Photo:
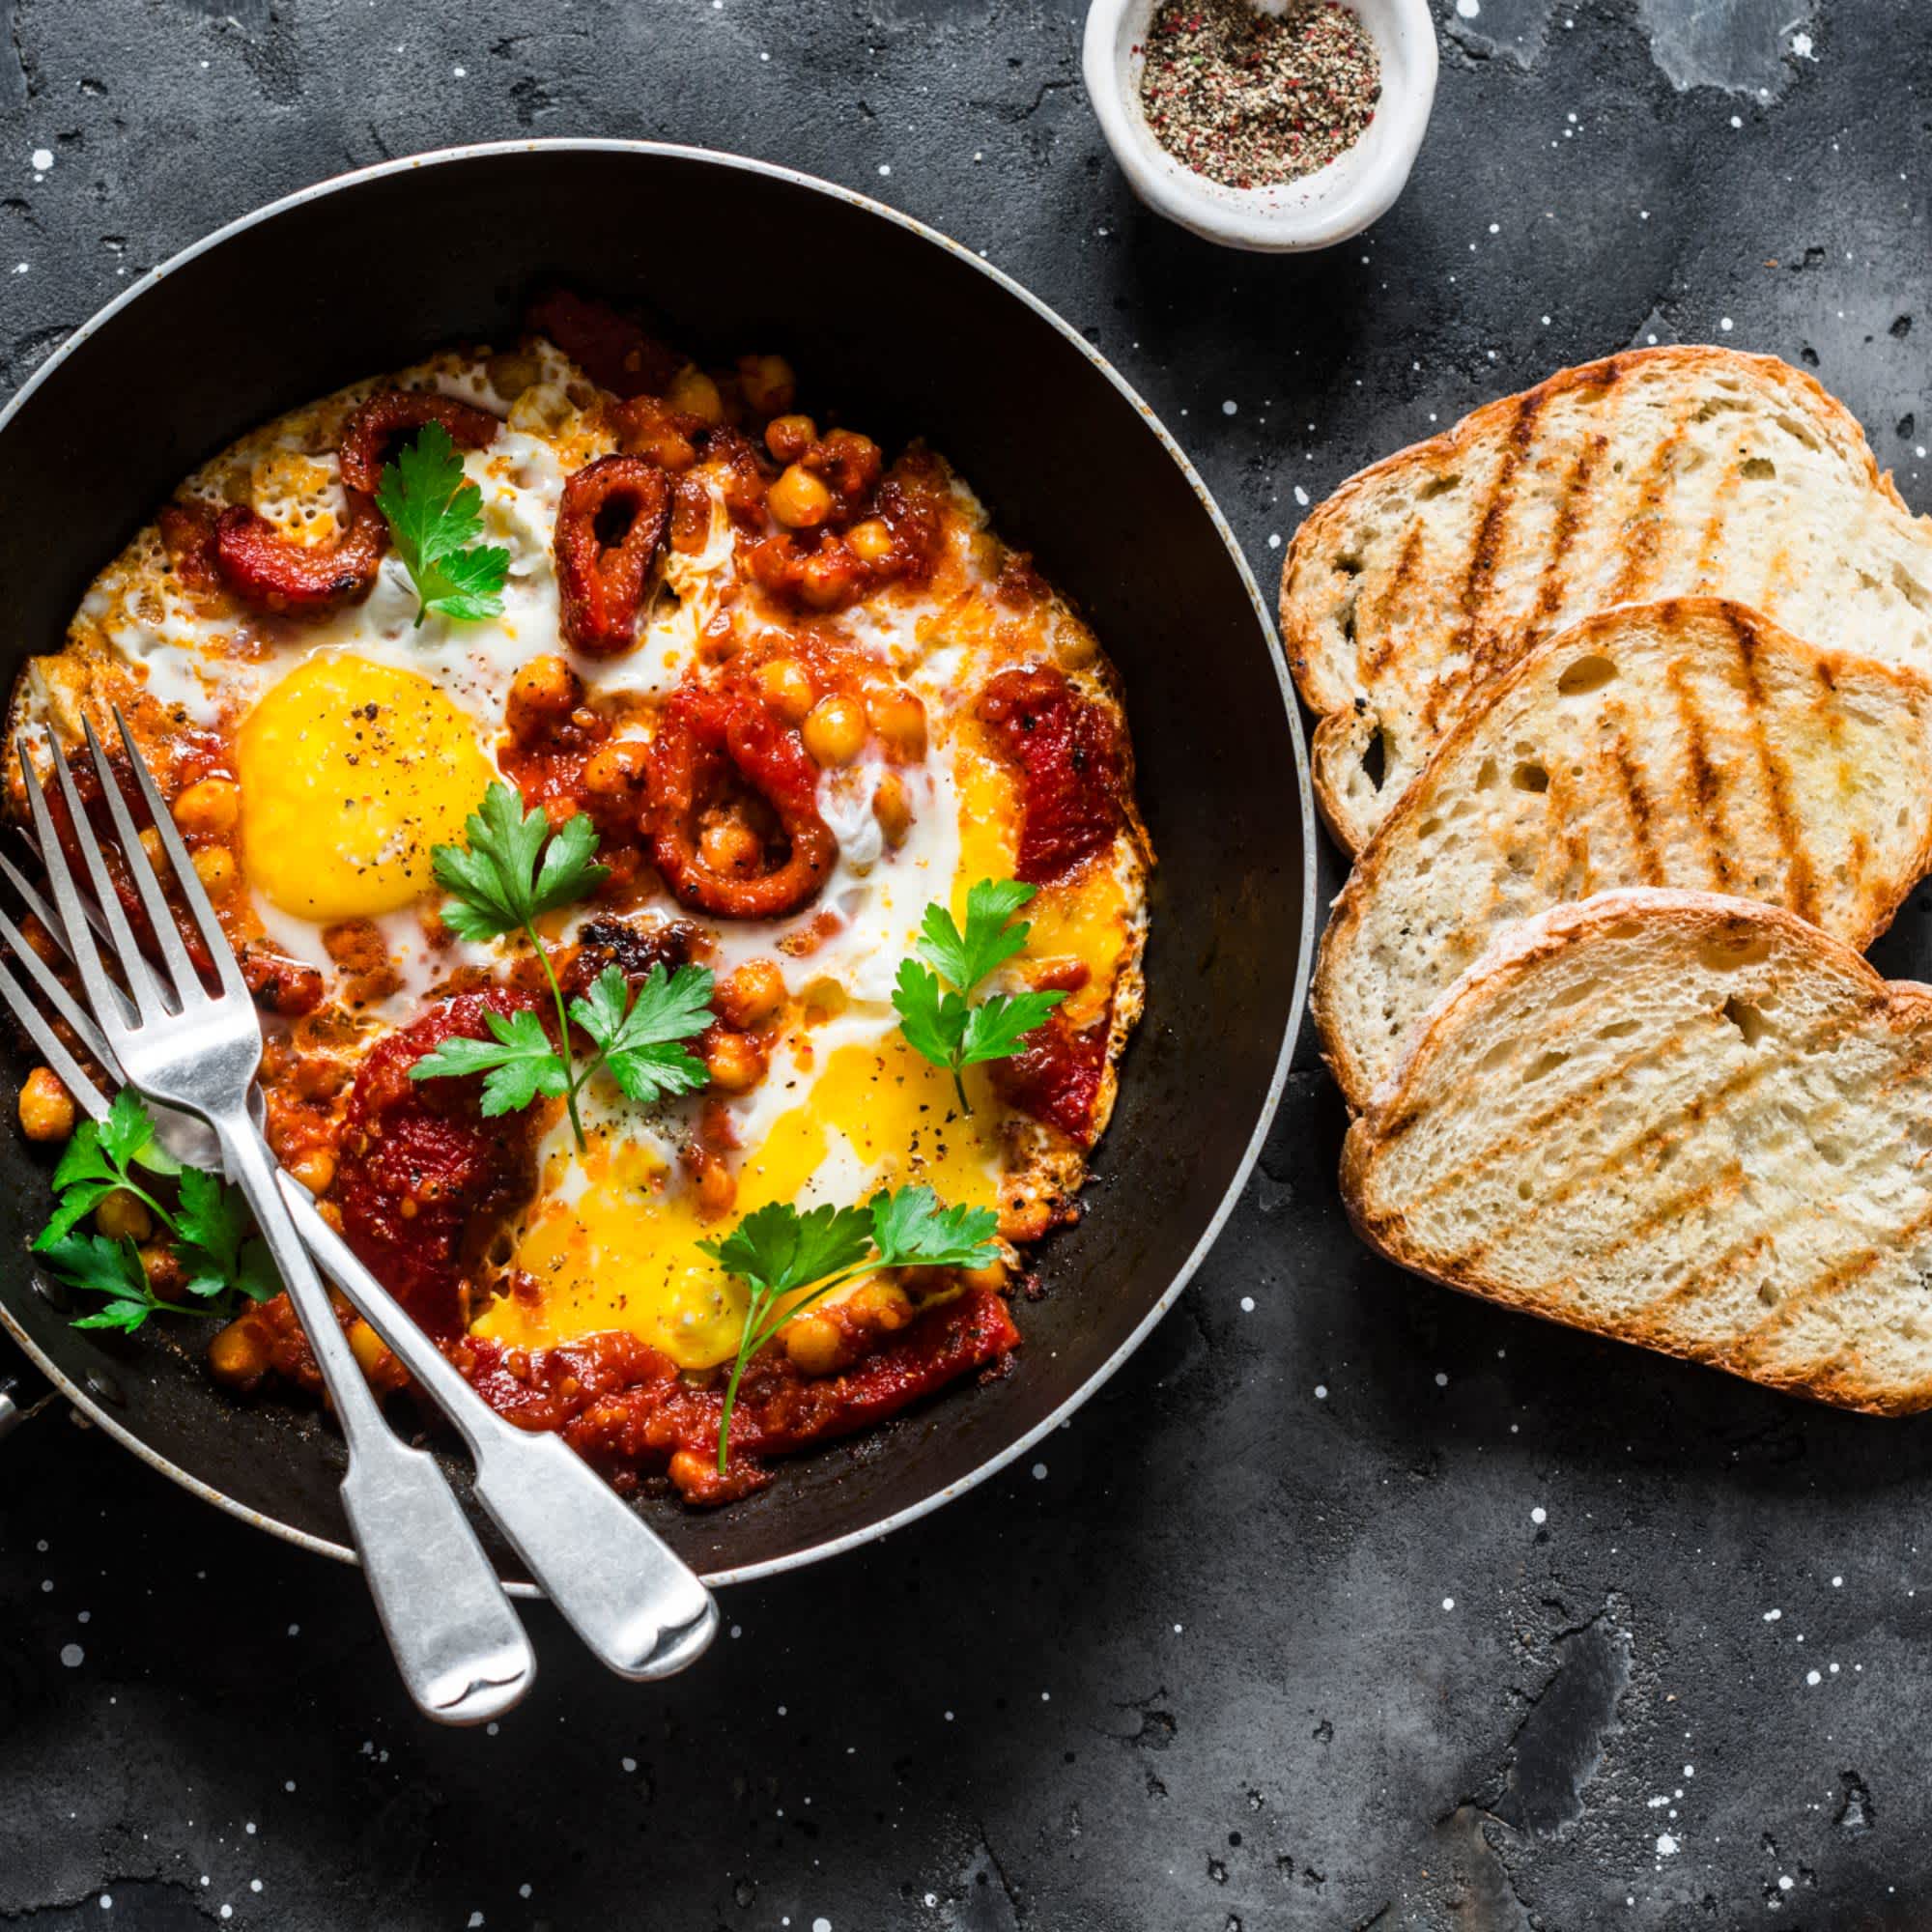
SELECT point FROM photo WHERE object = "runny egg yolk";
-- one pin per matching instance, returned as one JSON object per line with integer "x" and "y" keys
{"x": 350, "y": 772}
{"x": 625, "y": 1254}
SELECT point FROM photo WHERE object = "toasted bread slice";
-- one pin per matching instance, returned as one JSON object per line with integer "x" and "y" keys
{"x": 1688, "y": 742}
{"x": 1681, "y": 1120}
{"x": 1657, "y": 474}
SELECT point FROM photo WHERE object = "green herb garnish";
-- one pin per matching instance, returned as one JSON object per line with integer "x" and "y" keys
{"x": 436, "y": 514}
{"x": 778, "y": 1253}
{"x": 947, "y": 1026}
{"x": 208, "y": 1227}
{"x": 514, "y": 869}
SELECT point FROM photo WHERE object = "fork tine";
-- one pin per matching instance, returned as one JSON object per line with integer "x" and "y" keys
{"x": 188, "y": 985}
{"x": 190, "y": 880}
{"x": 80, "y": 945}
{"x": 26, "y": 892}
{"x": 58, "y": 996}
{"x": 53, "y": 1049}
{"x": 50, "y": 920}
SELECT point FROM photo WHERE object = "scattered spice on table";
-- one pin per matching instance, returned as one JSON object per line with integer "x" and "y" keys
{"x": 1252, "y": 99}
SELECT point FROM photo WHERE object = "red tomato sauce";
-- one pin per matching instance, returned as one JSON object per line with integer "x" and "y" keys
{"x": 1072, "y": 766}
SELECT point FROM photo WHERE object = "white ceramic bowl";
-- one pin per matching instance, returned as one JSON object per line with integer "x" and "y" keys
{"x": 1319, "y": 209}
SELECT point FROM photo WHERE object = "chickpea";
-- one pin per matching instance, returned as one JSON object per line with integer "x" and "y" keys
{"x": 367, "y": 1345}
{"x": 47, "y": 1108}
{"x": 834, "y": 730}
{"x": 315, "y": 1169}
{"x": 767, "y": 384}
{"x": 798, "y": 499}
{"x": 214, "y": 867}
{"x": 788, "y": 438}
{"x": 120, "y": 1216}
{"x": 751, "y": 997}
{"x": 900, "y": 719}
{"x": 543, "y": 694}
{"x": 814, "y": 1343}
{"x": 729, "y": 845}
{"x": 164, "y": 1272}
{"x": 893, "y": 810}
{"x": 211, "y": 808}
{"x": 238, "y": 1356}
{"x": 827, "y": 579}
{"x": 787, "y": 688}
{"x": 992, "y": 1276}
{"x": 736, "y": 1061}
{"x": 151, "y": 844}
{"x": 693, "y": 393}
{"x": 872, "y": 540}
{"x": 881, "y": 1304}
{"x": 617, "y": 768}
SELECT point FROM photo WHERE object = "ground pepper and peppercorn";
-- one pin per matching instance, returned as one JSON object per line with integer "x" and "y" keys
{"x": 1252, "y": 99}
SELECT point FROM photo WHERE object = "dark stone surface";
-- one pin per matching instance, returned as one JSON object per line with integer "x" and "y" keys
{"x": 1201, "y": 1667}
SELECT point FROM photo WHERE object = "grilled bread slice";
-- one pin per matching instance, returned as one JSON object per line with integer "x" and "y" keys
{"x": 1656, "y": 473}
{"x": 1688, "y": 742}
{"x": 1681, "y": 1120}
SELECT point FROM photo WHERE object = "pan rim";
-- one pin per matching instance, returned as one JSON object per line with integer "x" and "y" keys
{"x": 816, "y": 1553}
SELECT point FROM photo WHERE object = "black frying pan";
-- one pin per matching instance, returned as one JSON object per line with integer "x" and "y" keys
{"x": 908, "y": 335}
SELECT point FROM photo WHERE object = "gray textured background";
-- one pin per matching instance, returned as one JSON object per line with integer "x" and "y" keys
{"x": 1199, "y": 1668}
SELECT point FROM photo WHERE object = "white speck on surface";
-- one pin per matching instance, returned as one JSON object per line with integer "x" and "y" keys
{"x": 107, "y": 1901}
{"x": 885, "y": 168}
{"x": 43, "y": 159}
{"x": 1837, "y": 1582}
{"x": 1441, "y": 1380}
{"x": 1469, "y": 9}
{"x": 1725, "y": 323}
{"x": 73, "y": 1655}
{"x": 1448, "y": 1602}
{"x": 1231, "y": 408}
{"x": 1813, "y": 1677}
{"x": 1302, "y": 496}
{"x": 821, "y": 1925}
{"x": 254, "y": 1885}
{"x": 475, "y": 1919}
{"x": 289, "y": 1784}
{"x": 1247, "y": 1304}
{"x": 1274, "y": 536}
{"x": 1320, "y": 1391}
{"x": 489, "y": 1730}
{"x": 1737, "y": 121}
{"x": 1666, "y": 1845}
{"x": 1772, "y": 1616}
{"x": 1784, "y": 1883}
{"x": 228, "y": 1911}
{"x": 295, "y": 1629}
{"x": 1039, "y": 1472}
{"x": 630, "y": 1764}
{"x": 1801, "y": 46}
{"x": 1539, "y": 1514}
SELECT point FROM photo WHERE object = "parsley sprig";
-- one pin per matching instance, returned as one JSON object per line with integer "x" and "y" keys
{"x": 513, "y": 870}
{"x": 942, "y": 1021}
{"x": 436, "y": 514}
{"x": 208, "y": 1227}
{"x": 778, "y": 1253}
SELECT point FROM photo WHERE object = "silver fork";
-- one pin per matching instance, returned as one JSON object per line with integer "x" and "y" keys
{"x": 632, "y": 1600}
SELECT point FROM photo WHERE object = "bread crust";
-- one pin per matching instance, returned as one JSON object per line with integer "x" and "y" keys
{"x": 1878, "y": 1008}
{"x": 1482, "y": 631}
{"x": 1707, "y": 836}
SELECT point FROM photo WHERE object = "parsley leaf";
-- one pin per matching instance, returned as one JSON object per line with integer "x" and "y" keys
{"x": 520, "y": 1063}
{"x": 514, "y": 869}
{"x": 644, "y": 1046}
{"x": 778, "y": 1253}
{"x": 941, "y": 1023}
{"x": 208, "y": 1228}
{"x": 435, "y": 515}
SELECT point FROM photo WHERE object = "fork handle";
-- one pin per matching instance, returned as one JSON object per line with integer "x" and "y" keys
{"x": 620, "y": 1586}
{"x": 463, "y": 1653}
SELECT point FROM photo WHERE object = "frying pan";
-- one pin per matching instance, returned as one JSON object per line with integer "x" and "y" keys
{"x": 905, "y": 334}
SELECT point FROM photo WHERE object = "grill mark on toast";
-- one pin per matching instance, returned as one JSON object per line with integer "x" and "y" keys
{"x": 1640, "y": 1147}
{"x": 1637, "y": 806}
{"x": 1801, "y": 885}
{"x": 1570, "y": 511}
{"x": 1388, "y": 603}
{"x": 1645, "y": 527}
{"x": 1706, "y": 779}
{"x": 1719, "y": 521}
{"x": 1835, "y": 1278}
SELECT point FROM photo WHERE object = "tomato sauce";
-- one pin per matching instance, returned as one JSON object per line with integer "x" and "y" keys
{"x": 1071, "y": 767}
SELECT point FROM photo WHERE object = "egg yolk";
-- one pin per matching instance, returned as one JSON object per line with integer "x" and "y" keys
{"x": 350, "y": 772}
{"x": 623, "y": 1255}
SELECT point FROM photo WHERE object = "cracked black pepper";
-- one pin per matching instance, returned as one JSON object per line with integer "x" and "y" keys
{"x": 1252, "y": 99}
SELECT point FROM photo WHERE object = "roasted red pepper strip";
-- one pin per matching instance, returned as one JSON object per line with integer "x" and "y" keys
{"x": 266, "y": 568}
{"x": 611, "y": 349}
{"x": 188, "y": 536}
{"x": 703, "y": 737}
{"x": 382, "y": 421}
{"x": 1055, "y": 1076}
{"x": 1072, "y": 771}
{"x": 423, "y": 1179}
{"x": 610, "y": 528}
{"x": 626, "y": 1407}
